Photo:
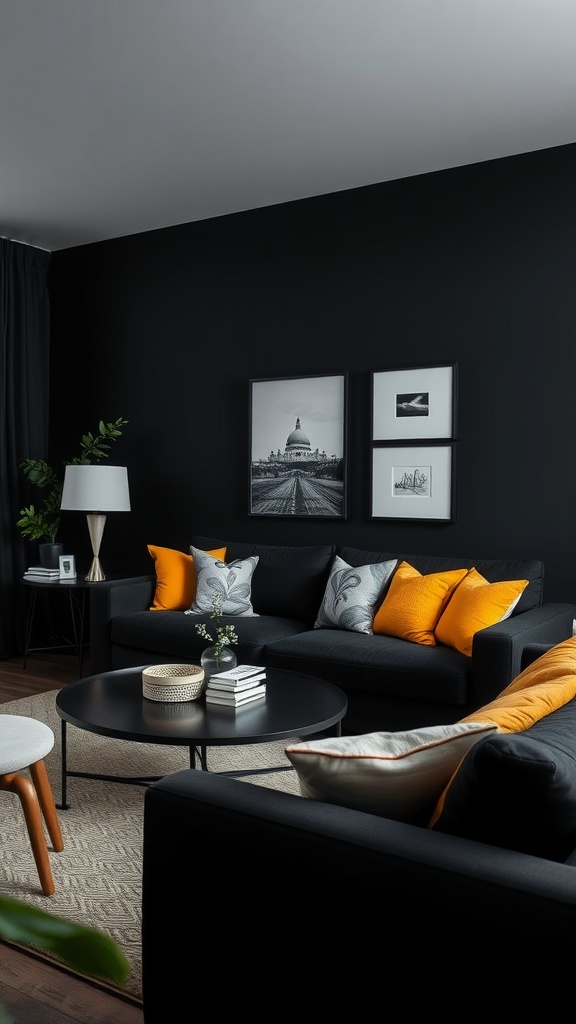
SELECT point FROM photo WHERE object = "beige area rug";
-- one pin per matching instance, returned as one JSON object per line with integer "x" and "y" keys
{"x": 98, "y": 874}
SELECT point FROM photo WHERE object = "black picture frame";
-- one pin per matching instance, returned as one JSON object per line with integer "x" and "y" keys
{"x": 415, "y": 403}
{"x": 413, "y": 482}
{"x": 298, "y": 446}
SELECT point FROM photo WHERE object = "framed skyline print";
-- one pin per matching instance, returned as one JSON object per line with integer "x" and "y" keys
{"x": 414, "y": 404}
{"x": 298, "y": 447}
{"x": 413, "y": 482}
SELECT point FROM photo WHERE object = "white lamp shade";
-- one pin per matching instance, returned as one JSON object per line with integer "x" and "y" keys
{"x": 95, "y": 489}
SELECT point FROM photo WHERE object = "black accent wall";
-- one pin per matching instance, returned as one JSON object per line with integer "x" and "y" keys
{"x": 474, "y": 265}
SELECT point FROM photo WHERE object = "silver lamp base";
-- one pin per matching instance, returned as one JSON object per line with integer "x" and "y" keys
{"x": 96, "y": 572}
{"x": 96, "y": 523}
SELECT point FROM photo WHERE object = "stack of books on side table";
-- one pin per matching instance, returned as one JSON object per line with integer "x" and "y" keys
{"x": 38, "y": 572}
{"x": 236, "y": 686}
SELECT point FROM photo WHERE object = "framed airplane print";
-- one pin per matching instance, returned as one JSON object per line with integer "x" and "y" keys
{"x": 414, "y": 404}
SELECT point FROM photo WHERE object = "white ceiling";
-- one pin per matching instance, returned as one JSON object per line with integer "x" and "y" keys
{"x": 121, "y": 116}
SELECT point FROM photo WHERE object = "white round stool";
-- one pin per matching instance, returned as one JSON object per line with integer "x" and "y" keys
{"x": 24, "y": 743}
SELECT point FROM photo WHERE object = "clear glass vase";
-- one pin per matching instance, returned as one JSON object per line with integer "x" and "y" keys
{"x": 214, "y": 660}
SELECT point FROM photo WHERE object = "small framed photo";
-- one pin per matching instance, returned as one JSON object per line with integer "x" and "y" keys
{"x": 413, "y": 483}
{"x": 414, "y": 404}
{"x": 67, "y": 567}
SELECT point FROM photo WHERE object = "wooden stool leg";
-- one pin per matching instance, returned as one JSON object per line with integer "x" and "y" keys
{"x": 46, "y": 800}
{"x": 28, "y": 797}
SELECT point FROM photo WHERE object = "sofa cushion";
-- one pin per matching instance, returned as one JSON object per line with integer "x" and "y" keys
{"x": 396, "y": 774}
{"x": 413, "y": 603}
{"x": 290, "y": 580}
{"x": 175, "y": 578}
{"x": 382, "y": 665}
{"x": 351, "y": 595}
{"x": 168, "y": 636}
{"x": 494, "y": 570}
{"x": 231, "y": 581}
{"x": 518, "y": 790}
{"x": 474, "y": 605}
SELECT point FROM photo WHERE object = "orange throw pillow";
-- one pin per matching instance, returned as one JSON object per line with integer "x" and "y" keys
{"x": 474, "y": 605}
{"x": 175, "y": 578}
{"x": 414, "y": 603}
{"x": 544, "y": 685}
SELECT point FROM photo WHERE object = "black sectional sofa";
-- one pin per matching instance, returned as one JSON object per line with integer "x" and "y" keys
{"x": 390, "y": 683}
{"x": 345, "y": 903}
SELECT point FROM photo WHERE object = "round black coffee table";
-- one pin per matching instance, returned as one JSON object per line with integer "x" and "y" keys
{"x": 112, "y": 704}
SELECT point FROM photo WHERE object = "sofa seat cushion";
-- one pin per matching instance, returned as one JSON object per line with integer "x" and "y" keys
{"x": 518, "y": 790}
{"x": 380, "y": 664}
{"x": 289, "y": 581}
{"x": 175, "y": 634}
{"x": 494, "y": 570}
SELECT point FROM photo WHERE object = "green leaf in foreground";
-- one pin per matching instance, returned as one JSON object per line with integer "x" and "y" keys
{"x": 84, "y": 949}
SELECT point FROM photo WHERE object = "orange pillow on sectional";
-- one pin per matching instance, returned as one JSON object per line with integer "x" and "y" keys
{"x": 546, "y": 684}
{"x": 414, "y": 603}
{"x": 175, "y": 578}
{"x": 476, "y": 604}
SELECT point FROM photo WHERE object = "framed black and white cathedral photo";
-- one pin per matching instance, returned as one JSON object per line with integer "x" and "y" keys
{"x": 298, "y": 428}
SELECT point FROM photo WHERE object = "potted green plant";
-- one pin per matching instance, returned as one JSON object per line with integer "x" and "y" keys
{"x": 40, "y": 521}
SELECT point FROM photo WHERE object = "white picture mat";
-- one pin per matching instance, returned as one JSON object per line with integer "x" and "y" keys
{"x": 67, "y": 565}
{"x": 435, "y": 381}
{"x": 390, "y": 464}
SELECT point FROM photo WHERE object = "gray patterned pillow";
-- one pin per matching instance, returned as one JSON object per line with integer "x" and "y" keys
{"x": 351, "y": 594}
{"x": 232, "y": 582}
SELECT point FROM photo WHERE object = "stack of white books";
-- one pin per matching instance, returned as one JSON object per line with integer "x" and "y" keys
{"x": 236, "y": 686}
{"x": 38, "y": 572}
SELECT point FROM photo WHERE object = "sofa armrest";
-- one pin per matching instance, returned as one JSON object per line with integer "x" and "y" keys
{"x": 532, "y": 652}
{"x": 312, "y": 875}
{"x": 107, "y": 599}
{"x": 497, "y": 650}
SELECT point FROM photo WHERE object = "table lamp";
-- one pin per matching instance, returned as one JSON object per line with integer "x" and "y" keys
{"x": 95, "y": 490}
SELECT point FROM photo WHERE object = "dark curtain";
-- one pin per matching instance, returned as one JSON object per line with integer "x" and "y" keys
{"x": 24, "y": 405}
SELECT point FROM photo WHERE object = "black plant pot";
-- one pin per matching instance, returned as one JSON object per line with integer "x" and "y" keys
{"x": 50, "y": 555}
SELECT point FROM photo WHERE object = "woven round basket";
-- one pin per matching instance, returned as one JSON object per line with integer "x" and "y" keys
{"x": 172, "y": 682}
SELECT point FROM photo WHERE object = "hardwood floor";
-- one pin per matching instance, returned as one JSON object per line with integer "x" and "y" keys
{"x": 42, "y": 672}
{"x": 32, "y": 989}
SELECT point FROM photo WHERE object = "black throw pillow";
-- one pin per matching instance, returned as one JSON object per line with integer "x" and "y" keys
{"x": 518, "y": 790}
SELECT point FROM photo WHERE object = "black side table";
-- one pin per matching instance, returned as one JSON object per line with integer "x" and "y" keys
{"x": 76, "y": 591}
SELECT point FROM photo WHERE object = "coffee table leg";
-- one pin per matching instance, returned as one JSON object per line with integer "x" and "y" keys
{"x": 63, "y": 760}
{"x": 198, "y": 753}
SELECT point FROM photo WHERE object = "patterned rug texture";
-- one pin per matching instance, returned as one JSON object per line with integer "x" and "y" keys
{"x": 98, "y": 874}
